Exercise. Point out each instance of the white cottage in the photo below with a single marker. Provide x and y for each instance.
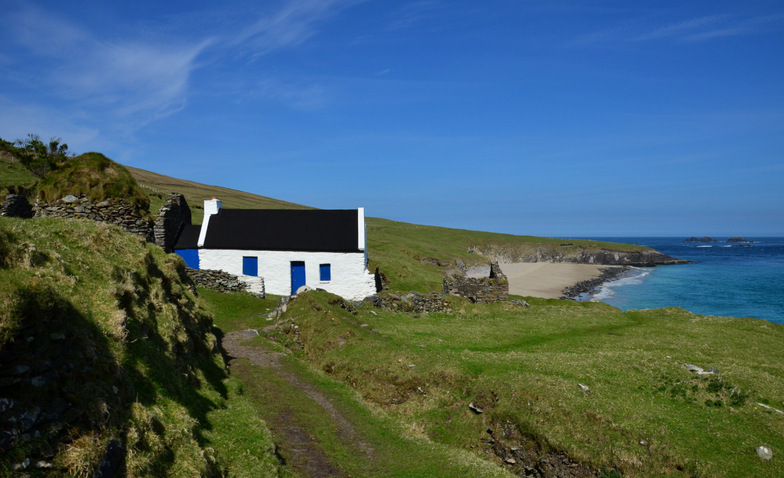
(288, 248)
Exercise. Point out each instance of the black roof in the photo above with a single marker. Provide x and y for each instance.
(333, 230)
(188, 238)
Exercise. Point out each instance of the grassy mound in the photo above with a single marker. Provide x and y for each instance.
(97, 177)
(108, 360)
(642, 413)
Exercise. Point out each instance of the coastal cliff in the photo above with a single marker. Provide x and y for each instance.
(642, 257)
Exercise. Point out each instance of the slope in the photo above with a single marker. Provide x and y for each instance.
(108, 361)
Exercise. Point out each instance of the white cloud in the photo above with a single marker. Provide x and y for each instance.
(119, 79)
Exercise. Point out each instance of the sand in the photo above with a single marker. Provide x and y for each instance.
(546, 279)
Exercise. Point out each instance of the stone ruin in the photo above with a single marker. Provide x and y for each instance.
(16, 205)
(172, 217)
(479, 289)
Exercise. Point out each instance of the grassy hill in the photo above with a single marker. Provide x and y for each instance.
(159, 186)
(107, 356)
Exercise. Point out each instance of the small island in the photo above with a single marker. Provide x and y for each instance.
(738, 240)
(704, 239)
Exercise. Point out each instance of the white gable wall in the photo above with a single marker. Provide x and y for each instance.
(350, 278)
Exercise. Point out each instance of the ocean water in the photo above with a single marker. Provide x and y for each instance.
(725, 279)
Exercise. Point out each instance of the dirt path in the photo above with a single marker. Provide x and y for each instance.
(305, 452)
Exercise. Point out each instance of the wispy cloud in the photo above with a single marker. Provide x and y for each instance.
(292, 25)
(691, 30)
(415, 12)
(683, 29)
(125, 79)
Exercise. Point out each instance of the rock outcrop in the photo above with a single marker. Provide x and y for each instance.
(737, 239)
(640, 258)
(703, 239)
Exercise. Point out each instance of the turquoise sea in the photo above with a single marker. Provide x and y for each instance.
(738, 280)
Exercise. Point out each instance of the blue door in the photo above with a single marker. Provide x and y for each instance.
(250, 266)
(297, 275)
(191, 257)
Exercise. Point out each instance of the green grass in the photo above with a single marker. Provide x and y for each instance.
(13, 174)
(120, 338)
(395, 450)
(237, 311)
(523, 367)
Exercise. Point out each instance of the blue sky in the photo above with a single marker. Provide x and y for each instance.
(557, 118)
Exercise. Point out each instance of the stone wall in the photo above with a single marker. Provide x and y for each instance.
(413, 302)
(16, 205)
(110, 211)
(479, 289)
(222, 281)
(172, 217)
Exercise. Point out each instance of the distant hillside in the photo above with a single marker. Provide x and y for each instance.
(159, 186)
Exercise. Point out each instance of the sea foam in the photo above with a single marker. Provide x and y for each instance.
(634, 276)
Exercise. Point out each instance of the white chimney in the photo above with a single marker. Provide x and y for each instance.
(211, 207)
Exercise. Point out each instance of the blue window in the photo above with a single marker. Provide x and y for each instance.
(325, 272)
(250, 266)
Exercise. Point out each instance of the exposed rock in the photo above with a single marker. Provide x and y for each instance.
(607, 274)
(584, 389)
(474, 408)
(737, 239)
(764, 452)
(703, 239)
(639, 258)
(700, 370)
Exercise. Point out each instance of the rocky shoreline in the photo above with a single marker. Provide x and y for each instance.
(607, 274)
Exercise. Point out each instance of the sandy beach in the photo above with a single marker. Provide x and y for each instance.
(546, 279)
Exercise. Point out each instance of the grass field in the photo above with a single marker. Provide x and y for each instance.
(645, 413)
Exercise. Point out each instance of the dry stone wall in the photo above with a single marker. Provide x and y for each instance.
(222, 281)
(479, 289)
(109, 210)
(16, 205)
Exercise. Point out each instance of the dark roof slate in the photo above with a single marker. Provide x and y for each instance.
(188, 238)
(333, 230)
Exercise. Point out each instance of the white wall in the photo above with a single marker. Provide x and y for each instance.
(350, 278)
